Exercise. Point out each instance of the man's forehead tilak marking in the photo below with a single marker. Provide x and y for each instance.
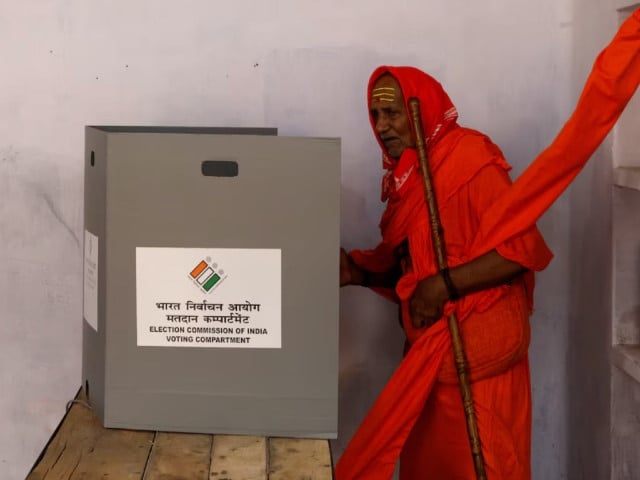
(383, 94)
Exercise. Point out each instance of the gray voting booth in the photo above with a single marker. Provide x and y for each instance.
(210, 280)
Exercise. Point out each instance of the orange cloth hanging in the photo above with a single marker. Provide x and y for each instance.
(374, 449)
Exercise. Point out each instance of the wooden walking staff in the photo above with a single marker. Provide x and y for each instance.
(439, 248)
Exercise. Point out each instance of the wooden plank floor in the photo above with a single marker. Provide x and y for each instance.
(82, 449)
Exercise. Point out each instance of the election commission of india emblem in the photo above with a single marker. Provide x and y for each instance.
(207, 275)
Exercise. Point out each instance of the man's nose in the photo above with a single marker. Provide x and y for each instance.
(382, 124)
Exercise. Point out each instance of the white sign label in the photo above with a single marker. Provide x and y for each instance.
(90, 290)
(203, 297)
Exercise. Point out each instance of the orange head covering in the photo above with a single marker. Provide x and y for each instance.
(438, 114)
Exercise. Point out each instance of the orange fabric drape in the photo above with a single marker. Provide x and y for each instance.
(438, 445)
(374, 449)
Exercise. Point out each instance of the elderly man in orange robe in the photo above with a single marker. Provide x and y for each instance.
(492, 293)
(492, 248)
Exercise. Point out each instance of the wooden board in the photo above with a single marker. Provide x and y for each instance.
(75, 438)
(299, 459)
(81, 449)
(179, 455)
(236, 457)
(130, 448)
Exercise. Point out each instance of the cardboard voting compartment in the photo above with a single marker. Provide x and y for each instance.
(211, 280)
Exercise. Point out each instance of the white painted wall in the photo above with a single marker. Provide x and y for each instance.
(299, 65)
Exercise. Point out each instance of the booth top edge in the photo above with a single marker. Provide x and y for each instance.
(164, 130)
(184, 130)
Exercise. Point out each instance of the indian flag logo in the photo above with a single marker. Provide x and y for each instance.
(207, 275)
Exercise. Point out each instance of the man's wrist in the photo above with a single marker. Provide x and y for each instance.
(452, 291)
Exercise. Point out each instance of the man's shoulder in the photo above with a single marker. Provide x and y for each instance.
(472, 150)
(477, 141)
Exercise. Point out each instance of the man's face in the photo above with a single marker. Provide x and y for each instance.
(390, 116)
